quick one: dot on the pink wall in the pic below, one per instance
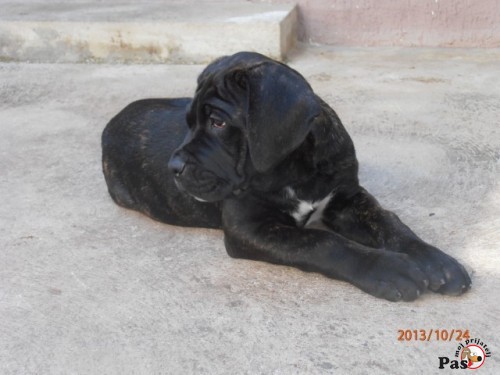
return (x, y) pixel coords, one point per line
(448, 23)
(453, 23)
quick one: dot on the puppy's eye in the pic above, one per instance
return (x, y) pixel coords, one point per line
(217, 123)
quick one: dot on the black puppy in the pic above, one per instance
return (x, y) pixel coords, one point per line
(258, 154)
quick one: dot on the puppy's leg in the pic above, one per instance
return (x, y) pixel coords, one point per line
(255, 230)
(360, 218)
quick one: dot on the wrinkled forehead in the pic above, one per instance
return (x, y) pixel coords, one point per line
(210, 96)
(241, 60)
(212, 88)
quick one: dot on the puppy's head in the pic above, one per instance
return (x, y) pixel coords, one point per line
(249, 112)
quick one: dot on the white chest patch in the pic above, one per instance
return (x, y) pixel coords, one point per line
(307, 212)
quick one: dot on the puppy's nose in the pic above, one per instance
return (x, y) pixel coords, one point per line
(176, 165)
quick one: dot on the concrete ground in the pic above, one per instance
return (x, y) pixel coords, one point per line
(140, 31)
(87, 287)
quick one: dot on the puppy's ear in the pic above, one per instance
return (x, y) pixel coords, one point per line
(281, 109)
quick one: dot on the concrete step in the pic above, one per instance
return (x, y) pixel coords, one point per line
(142, 32)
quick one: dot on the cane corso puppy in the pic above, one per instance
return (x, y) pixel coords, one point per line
(259, 155)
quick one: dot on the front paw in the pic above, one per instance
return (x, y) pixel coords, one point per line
(393, 276)
(445, 274)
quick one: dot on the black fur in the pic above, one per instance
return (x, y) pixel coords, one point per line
(253, 143)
